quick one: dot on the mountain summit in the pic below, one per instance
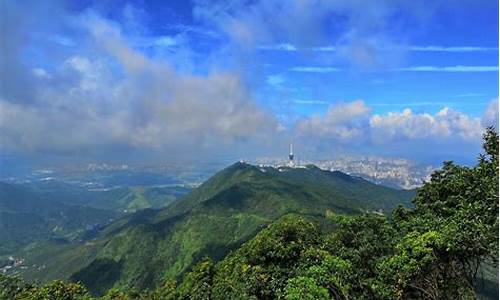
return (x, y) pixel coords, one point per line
(142, 249)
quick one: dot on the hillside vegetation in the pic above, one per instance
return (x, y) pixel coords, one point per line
(438, 249)
(59, 212)
(144, 249)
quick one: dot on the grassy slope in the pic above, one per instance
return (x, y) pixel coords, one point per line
(220, 215)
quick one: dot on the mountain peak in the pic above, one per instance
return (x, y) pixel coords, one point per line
(218, 216)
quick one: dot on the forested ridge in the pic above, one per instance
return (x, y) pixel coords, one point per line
(445, 247)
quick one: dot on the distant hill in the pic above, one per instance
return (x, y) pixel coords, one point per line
(47, 210)
(142, 249)
(25, 217)
(120, 198)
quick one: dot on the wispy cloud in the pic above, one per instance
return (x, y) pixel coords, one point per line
(162, 41)
(469, 95)
(183, 28)
(416, 48)
(62, 40)
(315, 69)
(278, 47)
(310, 102)
(275, 80)
(451, 49)
(429, 104)
(413, 104)
(458, 68)
(165, 41)
(325, 48)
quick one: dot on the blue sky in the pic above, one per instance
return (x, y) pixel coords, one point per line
(85, 80)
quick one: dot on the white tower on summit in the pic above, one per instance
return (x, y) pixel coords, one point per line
(290, 157)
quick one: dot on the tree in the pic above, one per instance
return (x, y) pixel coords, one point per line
(305, 288)
(197, 284)
(11, 287)
(433, 251)
(166, 291)
(260, 269)
(451, 232)
(56, 290)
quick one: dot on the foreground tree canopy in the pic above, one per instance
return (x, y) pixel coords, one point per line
(437, 250)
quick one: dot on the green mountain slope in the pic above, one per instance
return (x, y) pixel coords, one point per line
(129, 198)
(26, 217)
(41, 211)
(143, 249)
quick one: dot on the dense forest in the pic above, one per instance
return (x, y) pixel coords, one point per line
(444, 247)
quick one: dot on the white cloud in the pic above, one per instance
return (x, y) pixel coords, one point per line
(107, 93)
(458, 68)
(447, 123)
(469, 95)
(338, 123)
(423, 48)
(194, 29)
(165, 41)
(416, 48)
(90, 104)
(162, 41)
(413, 104)
(62, 40)
(297, 24)
(278, 47)
(351, 123)
(325, 48)
(275, 81)
(451, 49)
(310, 102)
(432, 48)
(315, 69)
(490, 116)
(40, 73)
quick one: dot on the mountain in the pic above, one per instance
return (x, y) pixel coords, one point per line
(119, 198)
(50, 209)
(142, 249)
(25, 217)
(392, 172)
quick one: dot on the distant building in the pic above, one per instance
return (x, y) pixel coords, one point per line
(291, 163)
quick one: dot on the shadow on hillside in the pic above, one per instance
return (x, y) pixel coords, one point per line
(100, 275)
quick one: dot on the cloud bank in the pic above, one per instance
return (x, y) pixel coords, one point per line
(296, 25)
(351, 125)
(82, 83)
(114, 95)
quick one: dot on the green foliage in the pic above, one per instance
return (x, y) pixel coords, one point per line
(62, 291)
(100, 275)
(27, 216)
(125, 294)
(45, 210)
(334, 274)
(12, 287)
(197, 284)
(219, 216)
(305, 288)
(55, 290)
(437, 250)
(263, 265)
(363, 241)
(166, 291)
(451, 232)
